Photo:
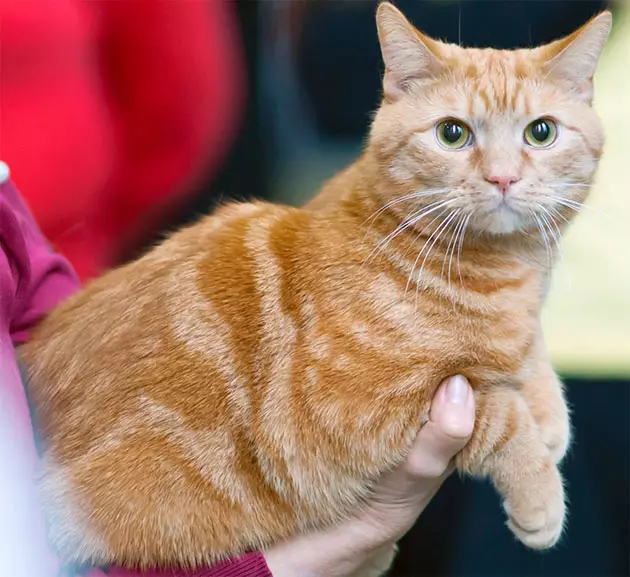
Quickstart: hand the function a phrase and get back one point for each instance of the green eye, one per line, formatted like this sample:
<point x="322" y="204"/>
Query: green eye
<point x="453" y="134"/>
<point x="541" y="133"/>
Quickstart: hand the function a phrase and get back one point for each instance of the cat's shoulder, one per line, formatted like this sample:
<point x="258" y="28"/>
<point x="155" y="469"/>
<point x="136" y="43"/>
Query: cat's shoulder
<point x="256" y="211"/>
<point x="228" y="217"/>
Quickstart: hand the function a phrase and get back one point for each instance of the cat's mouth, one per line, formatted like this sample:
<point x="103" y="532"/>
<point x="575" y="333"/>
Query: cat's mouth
<point x="501" y="207"/>
<point x="503" y="217"/>
<point x="504" y="204"/>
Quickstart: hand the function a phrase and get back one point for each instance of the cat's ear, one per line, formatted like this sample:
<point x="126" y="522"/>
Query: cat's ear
<point x="407" y="53"/>
<point x="574" y="58"/>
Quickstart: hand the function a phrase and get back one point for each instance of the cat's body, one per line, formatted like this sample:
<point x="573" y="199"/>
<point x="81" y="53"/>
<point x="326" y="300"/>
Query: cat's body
<point x="251" y="377"/>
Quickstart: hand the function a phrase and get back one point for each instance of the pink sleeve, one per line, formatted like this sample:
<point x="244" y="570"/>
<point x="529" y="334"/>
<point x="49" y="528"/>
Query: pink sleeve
<point x="250" y="565"/>
<point x="50" y="278"/>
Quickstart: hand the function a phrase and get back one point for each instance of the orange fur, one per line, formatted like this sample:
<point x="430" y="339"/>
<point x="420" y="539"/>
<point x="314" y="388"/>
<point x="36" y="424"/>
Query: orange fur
<point x="251" y="377"/>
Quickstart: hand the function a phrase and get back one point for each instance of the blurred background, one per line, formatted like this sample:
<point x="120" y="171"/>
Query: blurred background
<point x="122" y="120"/>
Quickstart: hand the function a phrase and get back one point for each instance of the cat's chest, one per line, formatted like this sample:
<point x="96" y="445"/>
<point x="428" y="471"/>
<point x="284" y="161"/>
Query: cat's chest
<point x="493" y="331"/>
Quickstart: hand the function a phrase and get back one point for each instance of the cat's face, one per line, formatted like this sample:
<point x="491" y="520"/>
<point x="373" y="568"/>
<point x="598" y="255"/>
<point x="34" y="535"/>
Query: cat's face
<point x="504" y="140"/>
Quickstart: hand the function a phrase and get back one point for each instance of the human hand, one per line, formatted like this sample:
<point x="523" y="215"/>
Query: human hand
<point x="398" y="499"/>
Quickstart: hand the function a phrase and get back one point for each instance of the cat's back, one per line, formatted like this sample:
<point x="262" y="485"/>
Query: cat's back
<point x="117" y="298"/>
<point x="163" y="322"/>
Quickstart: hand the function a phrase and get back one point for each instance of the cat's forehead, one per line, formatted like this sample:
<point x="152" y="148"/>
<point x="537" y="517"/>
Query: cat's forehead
<point x="481" y="62"/>
<point x="496" y="82"/>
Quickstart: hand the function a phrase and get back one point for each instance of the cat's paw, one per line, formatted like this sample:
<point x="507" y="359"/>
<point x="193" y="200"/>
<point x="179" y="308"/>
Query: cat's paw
<point x="555" y="432"/>
<point x="536" y="513"/>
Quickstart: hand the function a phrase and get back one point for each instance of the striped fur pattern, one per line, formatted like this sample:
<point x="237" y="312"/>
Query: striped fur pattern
<point x="251" y="377"/>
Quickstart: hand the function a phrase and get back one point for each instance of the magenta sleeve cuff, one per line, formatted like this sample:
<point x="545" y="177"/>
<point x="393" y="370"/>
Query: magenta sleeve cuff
<point x="250" y="565"/>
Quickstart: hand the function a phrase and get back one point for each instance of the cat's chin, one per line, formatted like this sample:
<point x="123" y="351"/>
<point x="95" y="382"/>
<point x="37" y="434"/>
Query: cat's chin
<point x="501" y="220"/>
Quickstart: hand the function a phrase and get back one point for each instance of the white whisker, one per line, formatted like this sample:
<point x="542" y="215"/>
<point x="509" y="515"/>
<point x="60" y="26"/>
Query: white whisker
<point x="577" y="206"/>
<point x="406" y="198"/>
<point x="435" y="219"/>
<point x="544" y="237"/>
<point x="456" y="231"/>
<point x="461" y="245"/>
<point x="415" y="262"/>
<point x="573" y="184"/>
<point x="441" y="229"/>
<point x="408" y="222"/>
<point x="550" y="224"/>
<point x="448" y="248"/>
<point x="549" y="211"/>
<point x="558" y="215"/>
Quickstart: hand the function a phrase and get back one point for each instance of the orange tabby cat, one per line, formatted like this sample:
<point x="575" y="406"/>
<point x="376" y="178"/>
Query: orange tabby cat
<point x="250" y="378"/>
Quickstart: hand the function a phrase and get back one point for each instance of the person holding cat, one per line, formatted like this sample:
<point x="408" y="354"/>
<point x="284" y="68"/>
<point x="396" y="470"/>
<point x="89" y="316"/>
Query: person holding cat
<point x="33" y="280"/>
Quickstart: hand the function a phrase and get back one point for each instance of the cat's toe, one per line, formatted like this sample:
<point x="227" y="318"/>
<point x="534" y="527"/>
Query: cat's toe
<point x="558" y="447"/>
<point x="556" y="436"/>
<point x="542" y="531"/>
<point x="536" y="516"/>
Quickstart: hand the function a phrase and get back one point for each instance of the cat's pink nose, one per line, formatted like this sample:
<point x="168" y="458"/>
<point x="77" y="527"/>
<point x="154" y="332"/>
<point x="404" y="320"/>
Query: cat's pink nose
<point x="503" y="183"/>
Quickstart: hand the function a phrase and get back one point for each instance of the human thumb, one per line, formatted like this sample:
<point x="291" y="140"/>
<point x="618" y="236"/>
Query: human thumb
<point x="449" y="428"/>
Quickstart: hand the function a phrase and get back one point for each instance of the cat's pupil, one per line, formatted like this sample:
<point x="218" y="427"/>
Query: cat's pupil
<point x="452" y="132"/>
<point x="540" y="131"/>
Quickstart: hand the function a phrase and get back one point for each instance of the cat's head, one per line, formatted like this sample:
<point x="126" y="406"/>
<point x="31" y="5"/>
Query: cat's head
<point x="506" y="138"/>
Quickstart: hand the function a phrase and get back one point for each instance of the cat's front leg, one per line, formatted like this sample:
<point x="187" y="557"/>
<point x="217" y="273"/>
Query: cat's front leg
<point x="544" y="394"/>
<point x="507" y="447"/>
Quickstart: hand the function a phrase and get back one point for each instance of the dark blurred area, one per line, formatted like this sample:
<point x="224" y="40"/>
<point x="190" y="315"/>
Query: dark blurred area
<point x="240" y="99"/>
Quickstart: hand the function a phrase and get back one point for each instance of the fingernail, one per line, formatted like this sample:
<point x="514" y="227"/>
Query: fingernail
<point x="457" y="390"/>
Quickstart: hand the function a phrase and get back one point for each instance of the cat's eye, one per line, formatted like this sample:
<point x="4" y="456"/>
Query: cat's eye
<point x="541" y="133"/>
<point x="453" y="134"/>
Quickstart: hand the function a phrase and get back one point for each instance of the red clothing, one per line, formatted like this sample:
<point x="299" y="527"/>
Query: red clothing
<point x="32" y="281"/>
<point x="110" y="109"/>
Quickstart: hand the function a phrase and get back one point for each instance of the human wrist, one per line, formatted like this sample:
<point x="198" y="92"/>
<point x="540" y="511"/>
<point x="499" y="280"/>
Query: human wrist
<point x="335" y="552"/>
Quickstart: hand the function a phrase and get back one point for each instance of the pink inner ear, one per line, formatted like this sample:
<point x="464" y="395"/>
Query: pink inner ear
<point x="392" y="89"/>
<point x="585" y="90"/>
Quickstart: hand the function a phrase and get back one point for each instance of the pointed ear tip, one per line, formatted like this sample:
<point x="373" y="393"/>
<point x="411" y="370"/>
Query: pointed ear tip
<point x="389" y="18"/>
<point x="384" y="5"/>
<point x="386" y="8"/>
